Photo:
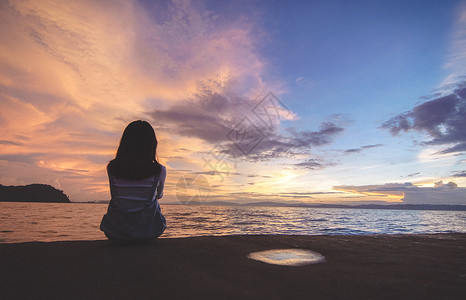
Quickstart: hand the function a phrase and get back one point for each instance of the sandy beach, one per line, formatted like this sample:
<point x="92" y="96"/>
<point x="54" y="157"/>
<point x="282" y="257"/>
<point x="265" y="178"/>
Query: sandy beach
<point x="357" y="267"/>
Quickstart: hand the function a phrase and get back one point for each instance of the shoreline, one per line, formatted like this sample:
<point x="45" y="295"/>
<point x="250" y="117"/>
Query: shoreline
<point x="396" y="207"/>
<point x="164" y="236"/>
<point x="419" y="266"/>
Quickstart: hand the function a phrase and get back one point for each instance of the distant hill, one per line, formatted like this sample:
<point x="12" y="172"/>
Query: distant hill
<point x="361" y="206"/>
<point x="32" y="193"/>
<point x="368" y="206"/>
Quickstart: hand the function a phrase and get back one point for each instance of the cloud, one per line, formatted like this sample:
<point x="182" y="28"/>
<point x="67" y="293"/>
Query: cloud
<point x="294" y="144"/>
<point x="388" y="188"/>
<point x="215" y="173"/>
<point x="73" y="74"/>
<point x="209" y="115"/>
<point x="457" y="54"/>
<point x="218" y="116"/>
<point x="258" y="176"/>
<point x="459" y="174"/>
<point x="441" y="193"/>
<point x="324" y="136"/>
<point x="413" y="174"/>
<point x="443" y="119"/>
<point x="30" y="158"/>
<point x="306" y="82"/>
<point x="449" y="185"/>
<point x="13" y="143"/>
<point x="357" y="150"/>
<point x="313" y="164"/>
<point x="310" y="193"/>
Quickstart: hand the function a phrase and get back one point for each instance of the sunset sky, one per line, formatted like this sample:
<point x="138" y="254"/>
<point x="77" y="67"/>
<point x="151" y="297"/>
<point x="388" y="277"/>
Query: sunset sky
<point x="293" y="101"/>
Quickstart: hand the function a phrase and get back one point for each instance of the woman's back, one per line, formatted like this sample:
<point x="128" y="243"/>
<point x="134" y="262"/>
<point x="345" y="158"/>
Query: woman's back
<point x="137" y="181"/>
<point x="133" y="195"/>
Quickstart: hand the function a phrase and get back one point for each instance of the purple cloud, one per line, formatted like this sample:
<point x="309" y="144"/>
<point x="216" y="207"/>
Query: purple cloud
<point x="413" y="174"/>
<point x="440" y="193"/>
<point x="228" y="121"/>
<point x="443" y="119"/>
<point x="313" y="164"/>
<point x="12" y="143"/>
<point x="357" y="150"/>
<point x="459" y="174"/>
<point x="209" y="116"/>
<point x="294" y="143"/>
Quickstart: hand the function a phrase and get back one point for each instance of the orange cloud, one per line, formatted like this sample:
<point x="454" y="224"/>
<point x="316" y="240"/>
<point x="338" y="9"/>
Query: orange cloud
<point x="73" y="74"/>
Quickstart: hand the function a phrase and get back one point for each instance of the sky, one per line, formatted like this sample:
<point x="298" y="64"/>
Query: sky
<point x="348" y="102"/>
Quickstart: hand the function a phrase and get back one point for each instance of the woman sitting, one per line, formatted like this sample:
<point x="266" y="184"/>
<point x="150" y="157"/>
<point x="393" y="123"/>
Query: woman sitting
<point x="136" y="181"/>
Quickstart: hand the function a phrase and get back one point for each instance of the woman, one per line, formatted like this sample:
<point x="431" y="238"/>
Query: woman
<point x="136" y="181"/>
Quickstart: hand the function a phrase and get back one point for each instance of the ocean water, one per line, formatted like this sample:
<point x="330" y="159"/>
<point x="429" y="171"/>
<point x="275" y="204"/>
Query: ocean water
<point x="25" y="222"/>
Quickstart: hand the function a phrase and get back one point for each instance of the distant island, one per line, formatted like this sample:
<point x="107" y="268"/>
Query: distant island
<point x="32" y="193"/>
<point x="314" y="205"/>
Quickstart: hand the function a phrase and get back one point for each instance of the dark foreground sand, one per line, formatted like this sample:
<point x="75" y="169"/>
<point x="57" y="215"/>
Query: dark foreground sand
<point x="357" y="267"/>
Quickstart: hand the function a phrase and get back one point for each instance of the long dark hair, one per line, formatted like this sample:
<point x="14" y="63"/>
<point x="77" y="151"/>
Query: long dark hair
<point x="136" y="157"/>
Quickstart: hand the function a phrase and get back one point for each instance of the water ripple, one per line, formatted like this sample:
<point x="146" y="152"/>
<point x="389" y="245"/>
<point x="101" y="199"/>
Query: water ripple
<point x="22" y="222"/>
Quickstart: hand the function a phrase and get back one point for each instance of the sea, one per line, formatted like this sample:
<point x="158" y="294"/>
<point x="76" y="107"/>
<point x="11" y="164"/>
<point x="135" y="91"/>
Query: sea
<point x="46" y="222"/>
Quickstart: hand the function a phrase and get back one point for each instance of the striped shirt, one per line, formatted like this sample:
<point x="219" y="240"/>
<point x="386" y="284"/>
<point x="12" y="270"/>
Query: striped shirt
<point x="133" y="195"/>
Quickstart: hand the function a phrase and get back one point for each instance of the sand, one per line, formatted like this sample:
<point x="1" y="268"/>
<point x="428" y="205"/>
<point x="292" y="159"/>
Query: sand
<point x="357" y="267"/>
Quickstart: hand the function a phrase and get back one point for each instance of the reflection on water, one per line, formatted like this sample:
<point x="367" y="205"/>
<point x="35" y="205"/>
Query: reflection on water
<point x="288" y="257"/>
<point x="21" y="222"/>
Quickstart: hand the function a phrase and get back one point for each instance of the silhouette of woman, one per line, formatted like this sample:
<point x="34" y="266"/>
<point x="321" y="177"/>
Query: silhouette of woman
<point x="137" y="181"/>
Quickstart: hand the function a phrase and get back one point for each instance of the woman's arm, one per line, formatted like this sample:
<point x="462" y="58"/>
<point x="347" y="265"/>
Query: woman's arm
<point x="163" y="175"/>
